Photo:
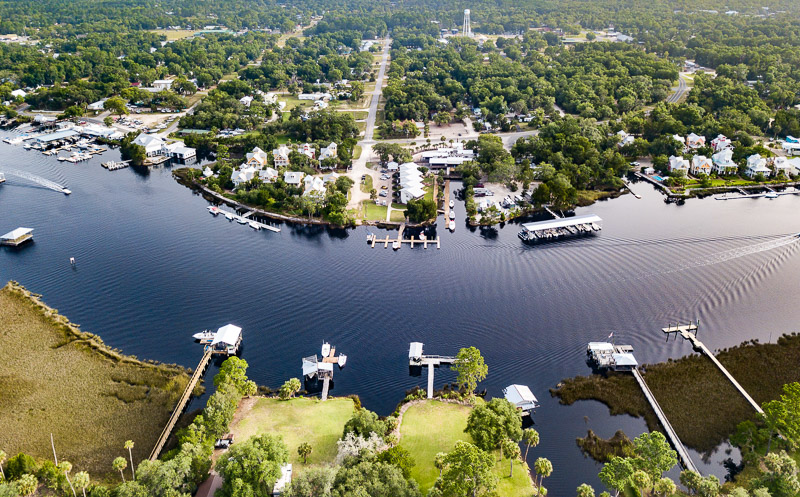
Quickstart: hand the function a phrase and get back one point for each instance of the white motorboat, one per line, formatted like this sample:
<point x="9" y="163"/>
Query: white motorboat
<point x="326" y="349"/>
<point x="241" y="220"/>
<point x="342" y="360"/>
<point x="452" y="203"/>
<point x="771" y="195"/>
<point x="452" y="214"/>
<point x="254" y="225"/>
<point x="205" y="335"/>
<point x="422" y="236"/>
<point x="228" y="216"/>
<point x="213" y="209"/>
<point x="451" y="226"/>
<point x="66" y="192"/>
<point x="395" y="245"/>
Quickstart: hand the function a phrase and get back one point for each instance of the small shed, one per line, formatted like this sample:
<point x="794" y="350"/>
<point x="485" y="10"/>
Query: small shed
<point x="415" y="351"/>
<point x="521" y="396"/>
<point x="624" y="362"/>
<point x="227" y="339"/>
<point x="17" y="236"/>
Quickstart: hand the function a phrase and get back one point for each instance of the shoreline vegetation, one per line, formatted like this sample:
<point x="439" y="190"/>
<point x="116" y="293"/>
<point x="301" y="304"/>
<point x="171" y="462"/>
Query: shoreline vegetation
<point x="56" y="378"/>
<point x="686" y="387"/>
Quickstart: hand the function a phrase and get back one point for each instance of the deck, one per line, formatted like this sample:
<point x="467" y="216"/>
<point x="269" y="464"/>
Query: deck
<point x="176" y="414"/>
<point x="373" y="239"/>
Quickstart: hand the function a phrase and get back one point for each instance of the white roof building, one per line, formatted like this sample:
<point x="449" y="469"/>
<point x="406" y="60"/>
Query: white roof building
<point x="723" y="162"/>
<point x="329" y="152"/>
<point x="695" y="141"/>
<point x="97" y="105"/>
<point x="410" y="193"/>
<point x="314" y="185"/>
<point x="228" y="335"/>
<point x="721" y="142"/>
<point x="392" y="166"/>
<point x="284" y="480"/>
<point x="163" y="84"/>
<point x="415" y="350"/>
<point x="624" y="139"/>
<point x="246" y="100"/>
<point x="280" y="156"/>
<point x="177" y="150"/>
<point x="293" y="177"/>
<point x="268" y="174"/>
<point x="152" y="143"/>
<point x="19" y="93"/>
<point x="521" y="396"/>
<point x="257" y="158"/>
<point x="781" y="165"/>
<point x="314" y="96"/>
<point x="330" y="177"/>
<point x="242" y="175"/>
<point x="701" y="165"/>
<point x="207" y="172"/>
<point x="791" y="146"/>
<point x="678" y="164"/>
<point x="755" y="165"/>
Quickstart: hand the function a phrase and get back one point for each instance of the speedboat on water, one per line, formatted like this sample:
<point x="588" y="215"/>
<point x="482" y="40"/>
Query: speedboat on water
<point x="326" y="349"/>
<point x="452" y="203"/>
<point x="395" y="245"/>
<point x="254" y="225"/>
<point x="342" y="360"/>
<point x="204" y="335"/>
<point x="451" y="225"/>
<point x="452" y="214"/>
<point x="771" y="195"/>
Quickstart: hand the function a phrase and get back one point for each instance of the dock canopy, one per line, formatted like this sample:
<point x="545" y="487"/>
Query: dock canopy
<point x="415" y="350"/>
<point x="17" y="236"/>
<point x="228" y="334"/>
<point x="624" y="361"/>
<point x="521" y="396"/>
<point x="563" y="222"/>
<point x="310" y="366"/>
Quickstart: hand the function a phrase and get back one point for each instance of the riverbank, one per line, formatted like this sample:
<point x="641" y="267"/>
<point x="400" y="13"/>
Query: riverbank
<point x="55" y="378"/>
<point x="685" y="388"/>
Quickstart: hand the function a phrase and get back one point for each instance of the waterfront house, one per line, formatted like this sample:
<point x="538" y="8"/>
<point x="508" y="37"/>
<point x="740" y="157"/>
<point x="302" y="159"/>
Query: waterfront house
<point x="280" y="156"/>
<point x="329" y="152"/>
<point x="723" y="163"/>
<point x="242" y="175"/>
<point x="795" y="163"/>
<point x="649" y="170"/>
<point x="701" y="165"/>
<point x="268" y="175"/>
<point x="177" y="150"/>
<point x="678" y="164"/>
<point x="17" y="237"/>
<point x="756" y="165"/>
<point x="721" y="142"/>
<point x="781" y="165"/>
<point x="522" y="397"/>
<point x="695" y="141"/>
<point x="293" y="178"/>
<point x="257" y="158"/>
<point x="207" y="172"/>
<point x="153" y="144"/>
<point x="314" y="185"/>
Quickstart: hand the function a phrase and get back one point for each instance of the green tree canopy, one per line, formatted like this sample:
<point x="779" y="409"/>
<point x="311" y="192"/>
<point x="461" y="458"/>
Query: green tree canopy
<point x="491" y="422"/>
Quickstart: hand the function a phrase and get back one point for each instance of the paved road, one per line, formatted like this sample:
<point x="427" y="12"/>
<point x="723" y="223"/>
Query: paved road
<point x="508" y="138"/>
<point x="682" y="88"/>
<point x="360" y="165"/>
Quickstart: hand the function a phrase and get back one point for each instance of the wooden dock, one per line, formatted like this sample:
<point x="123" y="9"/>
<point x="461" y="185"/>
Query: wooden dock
<point x="326" y="381"/>
<point x="431" y="361"/>
<point x="689" y="332"/>
<point x="187" y="394"/>
<point x="446" y="200"/>
<point x="683" y="454"/>
<point x="373" y="239"/>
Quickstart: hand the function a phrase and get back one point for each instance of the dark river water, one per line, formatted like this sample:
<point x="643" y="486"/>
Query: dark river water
<point x="153" y="267"/>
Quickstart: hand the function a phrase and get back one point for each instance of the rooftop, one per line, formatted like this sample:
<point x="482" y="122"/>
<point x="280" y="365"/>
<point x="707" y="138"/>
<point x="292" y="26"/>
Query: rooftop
<point x="563" y="222"/>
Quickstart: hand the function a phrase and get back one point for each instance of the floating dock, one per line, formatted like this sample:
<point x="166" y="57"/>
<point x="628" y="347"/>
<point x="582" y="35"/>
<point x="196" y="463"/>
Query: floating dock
<point x="689" y="332"/>
<point x="373" y="239"/>
<point x="17" y="237"/>
<point x="561" y="227"/>
<point x="114" y="165"/>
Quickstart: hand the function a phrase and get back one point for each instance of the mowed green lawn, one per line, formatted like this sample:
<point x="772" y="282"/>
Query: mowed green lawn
<point x="432" y="427"/>
<point x="299" y="420"/>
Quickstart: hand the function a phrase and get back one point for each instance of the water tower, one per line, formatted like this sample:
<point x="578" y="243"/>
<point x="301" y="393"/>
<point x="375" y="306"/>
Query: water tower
<point x="467" y="29"/>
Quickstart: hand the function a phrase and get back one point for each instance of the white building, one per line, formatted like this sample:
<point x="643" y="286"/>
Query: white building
<point x="624" y="139"/>
<point x="781" y="165"/>
<point x="293" y="178"/>
<point x="755" y="165"/>
<point x="19" y="93"/>
<point x="97" y="105"/>
<point x="410" y="182"/>
<point x="723" y="163"/>
<point x="330" y="177"/>
<point x="153" y="144"/>
<point x="207" y="172"/>
<point x="315" y="96"/>
<point x="314" y="185"/>
<point x="678" y="164"/>
<point x="308" y="150"/>
<point x="721" y="142"/>
<point x="246" y="100"/>
<point x="280" y="156"/>
<point x="268" y="175"/>
<point x="163" y="84"/>
<point x="329" y="152"/>
<point x="791" y="145"/>
<point x="177" y="150"/>
<point x="242" y="175"/>
<point x="695" y="141"/>
<point x="701" y="165"/>
<point x="257" y="158"/>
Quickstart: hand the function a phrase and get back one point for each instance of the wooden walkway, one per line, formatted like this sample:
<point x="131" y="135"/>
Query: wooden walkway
<point x="373" y="239"/>
<point x="187" y="394"/>
<point x="683" y="454"/>
<point x="446" y="200"/>
<point x="325" y="386"/>
<point x="689" y="332"/>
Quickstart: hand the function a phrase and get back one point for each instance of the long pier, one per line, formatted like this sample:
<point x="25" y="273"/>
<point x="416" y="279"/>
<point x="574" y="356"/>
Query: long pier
<point x="372" y="239"/>
<point x="187" y="394"/>
<point x="683" y="454"/>
<point x="689" y="332"/>
<point x="416" y="358"/>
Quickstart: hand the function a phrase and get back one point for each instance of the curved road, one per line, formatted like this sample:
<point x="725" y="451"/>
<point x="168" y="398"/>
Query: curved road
<point x="682" y="88"/>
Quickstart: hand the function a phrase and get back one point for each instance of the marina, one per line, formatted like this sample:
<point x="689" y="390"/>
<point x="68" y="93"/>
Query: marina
<point x="114" y="165"/>
<point x="243" y="219"/>
<point x="560" y="228"/>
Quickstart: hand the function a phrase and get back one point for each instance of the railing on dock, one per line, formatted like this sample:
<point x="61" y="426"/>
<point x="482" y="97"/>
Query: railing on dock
<point x="176" y="414"/>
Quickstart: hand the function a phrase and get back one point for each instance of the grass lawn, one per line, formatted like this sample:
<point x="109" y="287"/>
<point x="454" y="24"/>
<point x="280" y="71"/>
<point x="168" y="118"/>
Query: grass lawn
<point x="428" y="192"/>
<point x="432" y="427"/>
<point x="356" y="152"/>
<point x="397" y="216"/>
<point x="174" y="34"/>
<point x="372" y="212"/>
<point x="362" y="126"/>
<point x="230" y="77"/>
<point x="55" y="378"/>
<point x="366" y="185"/>
<point x="292" y="102"/>
<point x="298" y="420"/>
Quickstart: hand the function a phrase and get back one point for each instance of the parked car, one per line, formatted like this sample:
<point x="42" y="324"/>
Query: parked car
<point x="383" y="193"/>
<point x="384" y="187"/>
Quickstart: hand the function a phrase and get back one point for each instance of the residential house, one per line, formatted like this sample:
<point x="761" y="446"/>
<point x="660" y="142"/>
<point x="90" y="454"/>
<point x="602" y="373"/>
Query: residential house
<point x="329" y="152"/>
<point x="723" y="163"/>
<point x="781" y="165"/>
<point x="795" y="163"/>
<point x="695" y="141"/>
<point x="791" y="145"/>
<point x="280" y="156"/>
<point x="207" y="172"/>
<point x="97" y="105"/>
<point x="177" y="150"/>
<point x="246" y="100"/>
<point x="293" y="178"/>
<point x="755" y="165"/>
<point x="649" y="170"/>
<point x="315" y="96"/>
<point x="678" y="164"/>
<point x="163" y="84"/>
<point x="242" y="175"/>
<point x="308" y="150"/>
<point x="701" y="165"/>
<point x="257" y="158"/>
<point x="330" y="177"/>
<point x="268" y="175"/>
<point x="19" y="93"/>
<point x="679" y="139"/>
<point x="314" y="185"/>
<point x="152" y="144"/>
<point x="721" y="142"/>
<point x="624" y="138"/>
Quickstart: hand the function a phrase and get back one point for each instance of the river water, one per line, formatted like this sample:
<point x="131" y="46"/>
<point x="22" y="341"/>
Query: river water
<point x="153" y="267"/>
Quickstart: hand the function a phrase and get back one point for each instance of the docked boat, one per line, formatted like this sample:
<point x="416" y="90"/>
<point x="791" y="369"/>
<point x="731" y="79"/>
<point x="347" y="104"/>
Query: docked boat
<point x="204" y="336"/>
<point x="452" y="215"/>
<point x="395" y="245"/>
<point x="342" y="360"/>
<point x="452" y="203"/>
<point x="228" y="216"/>
<point x="241" y="220"/>
<point x="213" y="209"/>
<point x="254" y="225"/>
<point x="422" y="236"/>
<point x="451" y="225"/>
<point x="771" y="195"/>
<point x="326" y="349"/>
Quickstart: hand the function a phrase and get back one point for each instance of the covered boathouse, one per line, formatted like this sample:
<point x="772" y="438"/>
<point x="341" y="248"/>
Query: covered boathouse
<point x="559" y="228"/>
<point x="17" y="237"/>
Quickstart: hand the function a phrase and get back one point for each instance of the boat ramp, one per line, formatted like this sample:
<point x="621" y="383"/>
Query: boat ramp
<point x="398" y="242"/>
<point x="689" y="332"/>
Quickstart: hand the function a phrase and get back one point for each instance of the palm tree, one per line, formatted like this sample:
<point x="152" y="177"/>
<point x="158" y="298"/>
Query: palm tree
<point x="511" y="449"/>
<point x="641" y="480"/>
<point x="438" y="462"/>
<point x="66" y="467"/>
<point x="3" y="456"/>
<point x="120" y="464"/>
<point x="82" y="481"/>
<point x="129" y="445"/>
<point x="305" y="450"/>
<point x="585" y="490"/>
<point x="544" y="468"/>
<point x="531" y="439"/>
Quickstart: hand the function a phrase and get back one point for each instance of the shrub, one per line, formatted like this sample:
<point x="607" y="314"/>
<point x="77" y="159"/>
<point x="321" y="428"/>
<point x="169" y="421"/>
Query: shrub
<point x="19" y="465"/>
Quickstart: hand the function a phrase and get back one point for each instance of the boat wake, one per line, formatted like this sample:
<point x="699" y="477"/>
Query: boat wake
<point x="51" y="185"/>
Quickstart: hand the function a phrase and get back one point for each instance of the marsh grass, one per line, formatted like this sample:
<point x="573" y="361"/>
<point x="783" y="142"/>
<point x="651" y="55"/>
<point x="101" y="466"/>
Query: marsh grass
<point x="55" y="378"/>
<point x="700" y="403"/>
